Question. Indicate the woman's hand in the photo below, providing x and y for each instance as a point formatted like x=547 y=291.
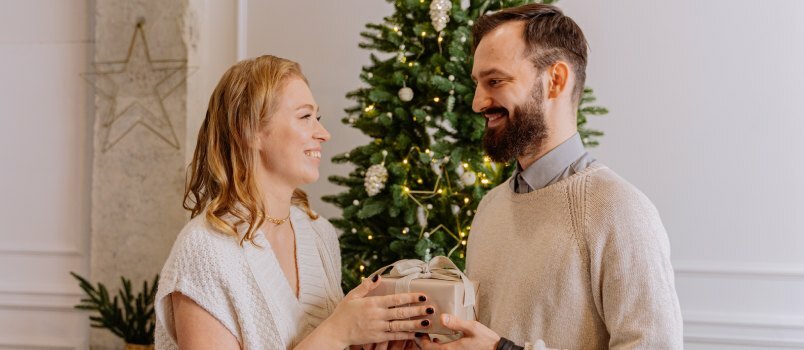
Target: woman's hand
x=363 y=320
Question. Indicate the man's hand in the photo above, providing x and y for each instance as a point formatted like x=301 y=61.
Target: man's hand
x=475 y=336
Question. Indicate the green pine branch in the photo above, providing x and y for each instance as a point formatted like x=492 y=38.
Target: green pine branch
x=428 y=144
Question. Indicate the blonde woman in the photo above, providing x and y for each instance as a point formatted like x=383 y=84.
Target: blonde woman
x=256 y=268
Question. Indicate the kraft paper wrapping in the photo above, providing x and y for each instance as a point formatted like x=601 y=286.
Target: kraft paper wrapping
x=445 y=286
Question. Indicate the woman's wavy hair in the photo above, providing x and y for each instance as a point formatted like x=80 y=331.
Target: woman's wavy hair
x=221 y=179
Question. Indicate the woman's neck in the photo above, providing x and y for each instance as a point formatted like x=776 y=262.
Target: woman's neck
x=276 y=201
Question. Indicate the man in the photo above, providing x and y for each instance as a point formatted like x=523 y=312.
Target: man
x=566 y=252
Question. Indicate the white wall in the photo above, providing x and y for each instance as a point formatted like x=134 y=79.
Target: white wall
x=705 y=119
x=45 y=152
x=322 y=36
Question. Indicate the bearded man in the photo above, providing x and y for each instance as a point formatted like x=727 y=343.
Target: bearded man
x=567 y=253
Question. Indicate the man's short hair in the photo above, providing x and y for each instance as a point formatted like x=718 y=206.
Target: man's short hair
x=549 y=36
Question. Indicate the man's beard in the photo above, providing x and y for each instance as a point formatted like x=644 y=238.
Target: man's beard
x=522 y=133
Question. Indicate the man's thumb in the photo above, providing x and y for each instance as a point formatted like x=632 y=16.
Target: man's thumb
x=456 y=324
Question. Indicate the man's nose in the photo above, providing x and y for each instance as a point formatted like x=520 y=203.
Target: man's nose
x=482 y=100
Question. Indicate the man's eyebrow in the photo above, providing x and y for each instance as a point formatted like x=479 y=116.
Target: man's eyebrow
x=488 y=72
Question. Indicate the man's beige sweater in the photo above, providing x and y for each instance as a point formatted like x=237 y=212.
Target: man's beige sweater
x=581 y=264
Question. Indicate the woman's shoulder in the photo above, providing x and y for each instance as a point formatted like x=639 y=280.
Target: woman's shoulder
x=202 y=244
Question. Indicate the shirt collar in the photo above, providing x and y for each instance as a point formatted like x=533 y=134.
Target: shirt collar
x=548 y=167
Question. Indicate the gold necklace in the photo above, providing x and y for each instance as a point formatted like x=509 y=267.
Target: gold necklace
x=276 y=221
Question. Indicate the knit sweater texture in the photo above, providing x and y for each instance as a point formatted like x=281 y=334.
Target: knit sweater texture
x=581 y=264
x=244 y=288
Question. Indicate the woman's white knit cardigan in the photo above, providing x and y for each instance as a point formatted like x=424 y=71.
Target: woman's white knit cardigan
x=244 y=287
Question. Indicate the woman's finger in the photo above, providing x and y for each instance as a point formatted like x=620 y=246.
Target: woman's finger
x=393 y=300
x=409 y=326
x=406 y=312
x=391 y=336
x=366 y=286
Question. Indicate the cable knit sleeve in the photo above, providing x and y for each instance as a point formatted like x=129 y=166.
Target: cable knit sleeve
x=632 y=278
x=197 y=267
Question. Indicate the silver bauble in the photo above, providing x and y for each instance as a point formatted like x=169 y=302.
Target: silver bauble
x=468 y=178
x=405 y=94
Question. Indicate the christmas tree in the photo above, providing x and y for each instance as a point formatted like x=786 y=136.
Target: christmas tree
x=416 y=186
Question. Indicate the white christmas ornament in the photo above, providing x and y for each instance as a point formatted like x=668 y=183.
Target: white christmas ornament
x=405 y=94
x=439 y=13
x=356 y=202
x=376 y=176
x=468 y=178
x=421 y=216
x=436 y=166
x=455 y=209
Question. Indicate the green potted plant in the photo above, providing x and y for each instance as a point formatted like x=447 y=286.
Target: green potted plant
x=128 y=316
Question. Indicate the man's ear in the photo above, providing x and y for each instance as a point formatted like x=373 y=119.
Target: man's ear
x=558 y=77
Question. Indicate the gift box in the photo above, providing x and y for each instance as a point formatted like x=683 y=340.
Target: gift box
x=445 y=286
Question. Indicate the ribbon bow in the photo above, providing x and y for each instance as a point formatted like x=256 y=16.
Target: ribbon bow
x=440 y=267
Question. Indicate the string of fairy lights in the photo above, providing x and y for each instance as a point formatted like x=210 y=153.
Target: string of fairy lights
x=376 y=175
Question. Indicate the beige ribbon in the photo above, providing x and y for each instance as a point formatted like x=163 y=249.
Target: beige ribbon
x=440 y=267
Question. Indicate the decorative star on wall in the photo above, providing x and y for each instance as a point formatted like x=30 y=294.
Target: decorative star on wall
x=135 y=90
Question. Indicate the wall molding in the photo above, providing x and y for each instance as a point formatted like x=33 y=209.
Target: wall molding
x=68 y=252
x=39 y=301
x=743 y=329
x=40 y=344
x=744 y=320
x=786 y=271
x=762 y=342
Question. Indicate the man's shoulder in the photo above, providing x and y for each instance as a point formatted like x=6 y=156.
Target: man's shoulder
x=605 y=187
x=493 y=194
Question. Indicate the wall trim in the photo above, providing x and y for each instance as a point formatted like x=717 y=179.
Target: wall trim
x=788 y=271
x=39 y=301
x=744 y=329
x=69 y=252
x=742 y=341
x=39 y=344
x=743 y=320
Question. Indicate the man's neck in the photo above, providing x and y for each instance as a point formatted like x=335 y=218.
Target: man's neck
x=548 y=145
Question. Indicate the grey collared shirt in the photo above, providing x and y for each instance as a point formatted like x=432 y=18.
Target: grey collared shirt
x=560 y=163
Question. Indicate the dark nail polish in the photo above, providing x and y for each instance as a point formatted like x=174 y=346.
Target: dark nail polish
x=430 y=311
x=425 y=323
x=375 y=278
x=422 y=298
x=419 y=335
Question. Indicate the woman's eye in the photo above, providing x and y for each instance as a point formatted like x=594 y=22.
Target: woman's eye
x=494 y=82
x=307 y=116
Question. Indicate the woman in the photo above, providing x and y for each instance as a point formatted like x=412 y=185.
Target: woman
x=256 y=268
